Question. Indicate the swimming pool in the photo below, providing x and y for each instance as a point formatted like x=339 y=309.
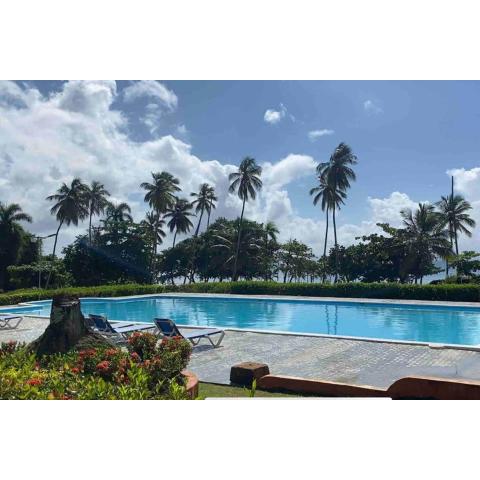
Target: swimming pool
x=422 y=323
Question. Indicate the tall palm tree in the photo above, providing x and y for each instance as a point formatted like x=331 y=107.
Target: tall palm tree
x=453 y=210
x=69 y=208
x=203 y=202
x=271 y=231
x=426 y=236
x=118 y=212
x=212 y=198
x=330 y=198
x=245 y=183
x=10 y=215
x=96 y=197
x=338 y=173
x=11 y=234
x=178 y=216
x=153 y=228
x=161 y=195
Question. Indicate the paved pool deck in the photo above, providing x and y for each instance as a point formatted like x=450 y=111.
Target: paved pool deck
x=356 y=362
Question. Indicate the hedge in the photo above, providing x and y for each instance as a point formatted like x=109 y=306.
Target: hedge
x=449 y=292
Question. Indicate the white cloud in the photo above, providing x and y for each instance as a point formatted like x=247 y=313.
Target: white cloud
x=316 y=134
x=372 y=107
x=76 y=132
x=154 y=90
x=467 y=183
x=47 y=140
x=161 y=100
x=275 y=116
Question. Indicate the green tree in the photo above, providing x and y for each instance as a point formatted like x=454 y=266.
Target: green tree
x=12 y=238
x=203 y=202
x=179 y=217
x=70 y=207
x=466 y=263
x=118 y=212
x=426 y=239
x=117 y=218
x=295 y=260
x=245 y=183
x=96 y=198
x=338 y=173
x=160 y=195
x=249 y=248
x=453 y=210
x=330 y=198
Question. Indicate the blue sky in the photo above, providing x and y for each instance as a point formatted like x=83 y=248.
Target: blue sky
x=406 y=135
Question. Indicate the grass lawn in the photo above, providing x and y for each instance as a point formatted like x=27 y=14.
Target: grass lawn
x=224 y=391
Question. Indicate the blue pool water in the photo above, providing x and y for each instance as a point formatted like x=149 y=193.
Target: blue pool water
x=436 y=324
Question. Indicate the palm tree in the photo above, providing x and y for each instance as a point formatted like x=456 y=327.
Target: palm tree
x=245 y=183
x=271 y=231
x=212 y=198
x=426 y=237
x=70 y=207
x=96 y=197
x=153 y=228
x=203 y=202
x=331 y=199
x=10 y=215
x=227 y=242
x=11 y=236
x=161 y=195
x=453 y=211
x=338 y=174
x=178 y=216
x=118 y=213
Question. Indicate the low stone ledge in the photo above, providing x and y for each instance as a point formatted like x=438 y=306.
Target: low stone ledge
x=419 y=387
x=245 y=373
x=318 y=387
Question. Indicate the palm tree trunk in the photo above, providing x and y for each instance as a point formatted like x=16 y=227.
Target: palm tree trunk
x=174 y=238
x=336 y=245
x=90 y=228
x=53 y=254
x=234 y=276
x=199 y=222
x=456 y=242
x=324 y=276
x=209 y=212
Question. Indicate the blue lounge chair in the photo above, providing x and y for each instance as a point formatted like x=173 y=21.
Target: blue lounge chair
x=102 y=325
x=9 y=322
x=167 y=328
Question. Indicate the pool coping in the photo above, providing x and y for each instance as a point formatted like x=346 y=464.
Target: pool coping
x=432 y=345
x=302 y=298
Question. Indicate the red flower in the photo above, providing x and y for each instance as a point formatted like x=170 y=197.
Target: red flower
x=103 y=366
x=135 y=357
x=75 y=370
x=33 y=382
x=111 y=352
x=87 y=353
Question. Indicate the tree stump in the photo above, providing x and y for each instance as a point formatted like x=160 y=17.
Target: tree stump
x=67 y=329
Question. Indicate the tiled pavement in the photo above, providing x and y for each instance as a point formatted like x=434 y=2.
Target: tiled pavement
x=350 y=361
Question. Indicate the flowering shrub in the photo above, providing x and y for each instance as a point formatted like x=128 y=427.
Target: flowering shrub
x=145 y=370
x=144 y=344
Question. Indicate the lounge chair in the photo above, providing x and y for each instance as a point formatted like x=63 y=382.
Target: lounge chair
x=167 y=328
x=9 y=322
x=102 y=325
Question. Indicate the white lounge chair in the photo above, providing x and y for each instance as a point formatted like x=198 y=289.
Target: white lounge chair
x=9 y=322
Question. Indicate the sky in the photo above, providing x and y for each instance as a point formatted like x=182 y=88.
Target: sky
x=409 y=137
